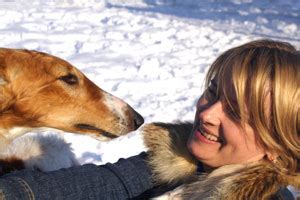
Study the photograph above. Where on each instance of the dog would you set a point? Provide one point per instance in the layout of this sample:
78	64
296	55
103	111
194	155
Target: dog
39	90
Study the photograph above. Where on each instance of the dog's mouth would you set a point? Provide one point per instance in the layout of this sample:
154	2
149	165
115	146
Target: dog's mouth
98	130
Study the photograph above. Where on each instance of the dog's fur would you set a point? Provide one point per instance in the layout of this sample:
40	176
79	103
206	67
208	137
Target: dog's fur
41	90
172	163
41	151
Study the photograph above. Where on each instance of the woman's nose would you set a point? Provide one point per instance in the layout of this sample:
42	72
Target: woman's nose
211	115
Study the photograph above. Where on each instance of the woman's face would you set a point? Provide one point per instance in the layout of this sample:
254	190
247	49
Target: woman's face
217	139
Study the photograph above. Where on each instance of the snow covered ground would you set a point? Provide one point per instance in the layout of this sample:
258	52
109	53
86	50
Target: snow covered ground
151	53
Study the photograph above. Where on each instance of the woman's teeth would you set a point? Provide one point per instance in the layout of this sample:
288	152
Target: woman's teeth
209	136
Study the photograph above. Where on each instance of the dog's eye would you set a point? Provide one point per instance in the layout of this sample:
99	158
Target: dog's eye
70	79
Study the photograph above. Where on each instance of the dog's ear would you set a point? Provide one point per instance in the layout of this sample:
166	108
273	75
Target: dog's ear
2	81
6	96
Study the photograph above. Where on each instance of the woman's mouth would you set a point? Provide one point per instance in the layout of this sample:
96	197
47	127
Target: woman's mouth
207	137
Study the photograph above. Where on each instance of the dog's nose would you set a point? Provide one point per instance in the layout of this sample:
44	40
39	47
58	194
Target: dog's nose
138	120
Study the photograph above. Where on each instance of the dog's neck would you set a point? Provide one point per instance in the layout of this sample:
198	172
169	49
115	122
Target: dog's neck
7	135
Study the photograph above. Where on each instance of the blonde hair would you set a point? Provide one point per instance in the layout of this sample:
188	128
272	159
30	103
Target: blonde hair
265	76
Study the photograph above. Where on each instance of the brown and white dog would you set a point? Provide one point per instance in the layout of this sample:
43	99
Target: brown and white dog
41	90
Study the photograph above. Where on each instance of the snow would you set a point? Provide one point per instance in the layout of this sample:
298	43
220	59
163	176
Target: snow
152	53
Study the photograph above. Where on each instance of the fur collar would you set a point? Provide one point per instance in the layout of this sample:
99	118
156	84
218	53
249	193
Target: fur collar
171	162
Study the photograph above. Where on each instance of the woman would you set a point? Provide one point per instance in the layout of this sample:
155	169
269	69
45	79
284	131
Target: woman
245	138
248	115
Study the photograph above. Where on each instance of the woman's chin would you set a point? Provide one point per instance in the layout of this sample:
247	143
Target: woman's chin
197	151
203	152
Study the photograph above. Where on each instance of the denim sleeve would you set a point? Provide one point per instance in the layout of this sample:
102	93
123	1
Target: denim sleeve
126	179
283	194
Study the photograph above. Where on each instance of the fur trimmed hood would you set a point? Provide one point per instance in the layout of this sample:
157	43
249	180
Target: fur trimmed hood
171	162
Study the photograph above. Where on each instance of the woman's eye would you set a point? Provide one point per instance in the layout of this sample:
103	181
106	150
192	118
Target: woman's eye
231	112
210	94
70	79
